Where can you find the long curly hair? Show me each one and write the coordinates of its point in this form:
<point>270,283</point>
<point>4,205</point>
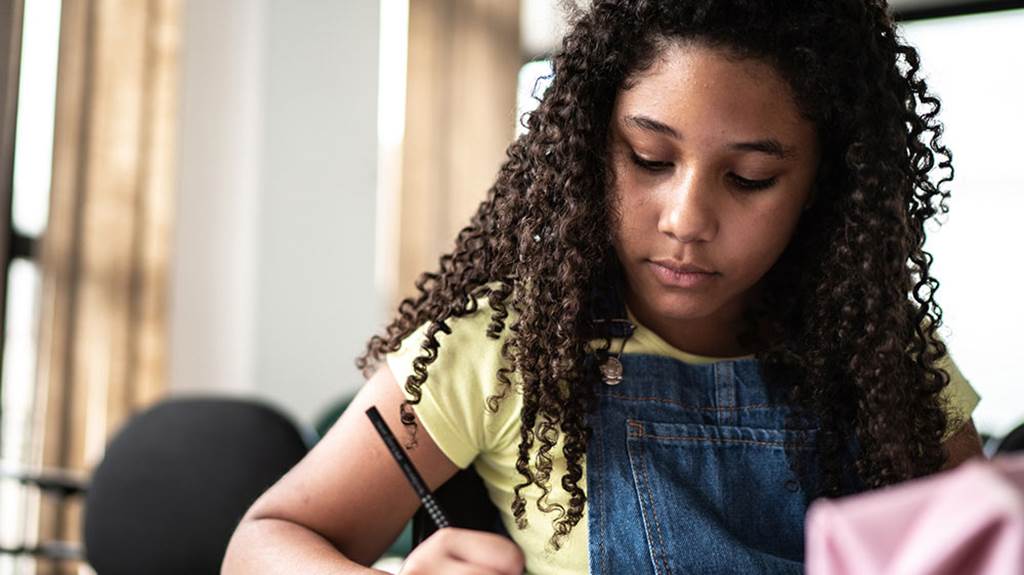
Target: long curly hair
<point>851,302</point>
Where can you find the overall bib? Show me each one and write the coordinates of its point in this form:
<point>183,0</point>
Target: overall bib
<point>687,472</point>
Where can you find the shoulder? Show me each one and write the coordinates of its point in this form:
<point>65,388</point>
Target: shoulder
<point>463,344</point>
<point>453,407</point>
<point>959,397</point>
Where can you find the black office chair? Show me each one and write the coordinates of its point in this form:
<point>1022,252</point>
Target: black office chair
<point>172,486</point>
<point>1013,442</point>
<point>177,478</point>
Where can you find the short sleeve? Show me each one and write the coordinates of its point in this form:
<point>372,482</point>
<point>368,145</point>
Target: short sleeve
<point>453,407</point>
<point>959,396</point>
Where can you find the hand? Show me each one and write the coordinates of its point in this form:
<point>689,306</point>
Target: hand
<point>454,551</point>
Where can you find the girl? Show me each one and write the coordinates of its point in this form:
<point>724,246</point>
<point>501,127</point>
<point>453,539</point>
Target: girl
<point>695,298</point>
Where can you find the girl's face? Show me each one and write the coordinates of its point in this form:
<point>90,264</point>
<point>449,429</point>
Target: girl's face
<point>712,165</point>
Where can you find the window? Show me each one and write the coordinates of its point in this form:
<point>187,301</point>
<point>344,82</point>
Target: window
<point>534,79</point>
<point>29,193</point>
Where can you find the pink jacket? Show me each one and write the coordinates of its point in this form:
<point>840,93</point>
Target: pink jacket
<point>966,521</point>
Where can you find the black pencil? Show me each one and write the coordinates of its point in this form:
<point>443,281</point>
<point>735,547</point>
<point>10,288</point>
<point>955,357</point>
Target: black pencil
<point>418,485</point>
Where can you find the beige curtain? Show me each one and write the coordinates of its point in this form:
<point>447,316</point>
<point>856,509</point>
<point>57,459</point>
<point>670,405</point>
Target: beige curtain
<point>464,60</point>
<point>104,255</point>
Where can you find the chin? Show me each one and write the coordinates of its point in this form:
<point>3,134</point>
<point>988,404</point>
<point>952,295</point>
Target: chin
<point>682,306</point>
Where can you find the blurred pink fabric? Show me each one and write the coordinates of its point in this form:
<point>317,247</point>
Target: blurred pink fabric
<point>966,521</point>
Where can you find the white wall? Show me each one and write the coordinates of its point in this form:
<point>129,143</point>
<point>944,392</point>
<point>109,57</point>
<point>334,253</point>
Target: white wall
<point>273,272</point>
<point>978,249</point>
<point>214,252</point>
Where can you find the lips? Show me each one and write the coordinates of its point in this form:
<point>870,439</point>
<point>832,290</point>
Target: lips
<point>674,274</point>
<point>682,268</point>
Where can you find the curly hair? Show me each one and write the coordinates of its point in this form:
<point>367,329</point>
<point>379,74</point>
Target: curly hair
<point>851,301</point>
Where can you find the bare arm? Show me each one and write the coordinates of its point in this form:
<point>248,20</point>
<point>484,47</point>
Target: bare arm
<point>963,445</point>
<point>341,507</point>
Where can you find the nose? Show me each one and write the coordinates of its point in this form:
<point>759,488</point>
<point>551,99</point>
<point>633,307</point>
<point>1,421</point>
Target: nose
<point>690,214</point>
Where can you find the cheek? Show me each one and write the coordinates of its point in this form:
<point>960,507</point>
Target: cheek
<point>632,219</point>
<point>760,240</point>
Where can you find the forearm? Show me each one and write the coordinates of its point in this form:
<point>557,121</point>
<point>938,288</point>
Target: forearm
<point>276,546</point>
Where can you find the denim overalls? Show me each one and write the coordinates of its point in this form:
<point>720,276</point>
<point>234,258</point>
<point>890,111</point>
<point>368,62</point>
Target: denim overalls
<point>687,472</point>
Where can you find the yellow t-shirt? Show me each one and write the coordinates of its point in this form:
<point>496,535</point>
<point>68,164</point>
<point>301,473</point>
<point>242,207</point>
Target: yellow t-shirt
<point>453,411</point>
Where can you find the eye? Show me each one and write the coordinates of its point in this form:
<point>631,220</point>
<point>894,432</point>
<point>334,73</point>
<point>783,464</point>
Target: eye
<point>745,184</point>
<point>649,165</point>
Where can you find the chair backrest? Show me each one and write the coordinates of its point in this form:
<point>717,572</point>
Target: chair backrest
<point>1013,442</point>
<point>177,478</point>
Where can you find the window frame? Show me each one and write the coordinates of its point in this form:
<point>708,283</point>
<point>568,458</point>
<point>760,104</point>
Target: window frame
<point>12,245</point>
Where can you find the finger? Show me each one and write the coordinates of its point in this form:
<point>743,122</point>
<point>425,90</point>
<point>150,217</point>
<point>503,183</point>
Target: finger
<point>446,566</point>
<point>484,549</point>
<point>463,568</point>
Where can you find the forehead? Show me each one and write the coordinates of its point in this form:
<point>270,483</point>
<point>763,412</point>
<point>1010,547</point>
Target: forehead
<point>695,88</point>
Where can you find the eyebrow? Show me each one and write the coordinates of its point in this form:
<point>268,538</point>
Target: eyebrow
<point>769,146</point>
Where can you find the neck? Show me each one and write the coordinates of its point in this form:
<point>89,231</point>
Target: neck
<point>716,335</point>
